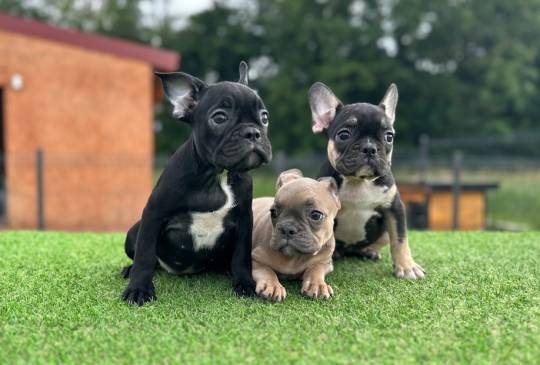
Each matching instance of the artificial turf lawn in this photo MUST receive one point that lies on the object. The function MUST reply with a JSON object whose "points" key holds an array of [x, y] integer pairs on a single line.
{"points": [[480, 303]]}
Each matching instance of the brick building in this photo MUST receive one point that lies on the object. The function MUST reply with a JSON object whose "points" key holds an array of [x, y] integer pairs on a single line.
{"points": [[87, 102]]}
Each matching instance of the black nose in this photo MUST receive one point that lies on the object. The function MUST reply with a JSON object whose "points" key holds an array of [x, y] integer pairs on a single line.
{"points": [[252, 133], [369, 150], [288, 231]]}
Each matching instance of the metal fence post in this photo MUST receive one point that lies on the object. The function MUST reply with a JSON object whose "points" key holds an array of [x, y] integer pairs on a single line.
{"points": [[279, 162], [424, 157], [456, 188], [40, 190]]}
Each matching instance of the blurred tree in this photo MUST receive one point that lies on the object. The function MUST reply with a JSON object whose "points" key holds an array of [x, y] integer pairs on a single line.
{"points": [[462, 66], [212, 45], [20, 8], [477, 62], [317, 41], [118, 18], [121, 18]]}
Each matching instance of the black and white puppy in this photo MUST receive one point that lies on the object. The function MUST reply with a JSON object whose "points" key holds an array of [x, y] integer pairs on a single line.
{"points": [[198, 216], [359, 155]]}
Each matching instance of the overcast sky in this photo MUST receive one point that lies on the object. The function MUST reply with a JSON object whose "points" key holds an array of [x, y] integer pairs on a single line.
{"points": [[189, 7], [179, 9]]}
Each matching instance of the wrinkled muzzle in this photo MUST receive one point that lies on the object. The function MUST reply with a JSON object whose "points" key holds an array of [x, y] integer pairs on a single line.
{"points": [[245, 148], [362, 161], [292, 241]]}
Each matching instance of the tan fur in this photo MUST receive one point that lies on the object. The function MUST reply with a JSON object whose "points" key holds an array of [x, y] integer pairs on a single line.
{"points": [[332, 153], [269, 263], [404, 265]]}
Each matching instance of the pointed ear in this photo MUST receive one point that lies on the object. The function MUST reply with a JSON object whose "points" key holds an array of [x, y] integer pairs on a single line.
{"points": [[331, 185], [243, 69], [389, 102], [323, 104], [288, 176], [182, 90]]}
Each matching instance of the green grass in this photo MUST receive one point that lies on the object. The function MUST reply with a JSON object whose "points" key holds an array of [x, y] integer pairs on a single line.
{"points": [[517, 200], [59, 303]]}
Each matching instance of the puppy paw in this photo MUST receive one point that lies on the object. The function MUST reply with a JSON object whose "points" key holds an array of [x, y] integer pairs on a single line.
{"points": [[367, 254], [125, 271], [139, 294], [363, 253], [244, 286], [409, 270], [271, 290], [317, 290]]}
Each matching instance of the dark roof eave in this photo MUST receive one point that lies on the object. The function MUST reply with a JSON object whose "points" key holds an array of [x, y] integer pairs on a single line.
{"points": [[161, 59]]}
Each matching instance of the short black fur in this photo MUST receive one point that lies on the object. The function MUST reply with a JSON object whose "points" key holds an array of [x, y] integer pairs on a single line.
{"points": [[229, 137]]}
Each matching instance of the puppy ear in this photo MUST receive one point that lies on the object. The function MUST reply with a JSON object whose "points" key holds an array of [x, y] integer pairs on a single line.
{"points": [[182, 90], [323, 104], [243, 69], [288, 176], [389, 102], [331, 184]]}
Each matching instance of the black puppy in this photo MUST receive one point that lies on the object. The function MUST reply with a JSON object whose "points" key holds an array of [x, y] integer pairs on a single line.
{"points": [[198, 216], [360, 139]]}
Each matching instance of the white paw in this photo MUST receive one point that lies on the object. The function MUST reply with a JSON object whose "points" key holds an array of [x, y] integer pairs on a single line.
{"points": [[271, 290], [409, 271]]}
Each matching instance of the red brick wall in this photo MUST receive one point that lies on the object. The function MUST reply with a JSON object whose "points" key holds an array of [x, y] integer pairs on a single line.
{"points": [[92, 115]]}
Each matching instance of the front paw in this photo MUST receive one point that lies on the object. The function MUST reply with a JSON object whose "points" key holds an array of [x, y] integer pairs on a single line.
{"points": [[363, 253], [409, 270], [244, 286], [271, 290], [139, 294], [369, 254], [317, 289], [125, 271]]}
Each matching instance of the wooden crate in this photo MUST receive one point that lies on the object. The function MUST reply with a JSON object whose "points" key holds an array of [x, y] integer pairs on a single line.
{"points": [[435, 201]]}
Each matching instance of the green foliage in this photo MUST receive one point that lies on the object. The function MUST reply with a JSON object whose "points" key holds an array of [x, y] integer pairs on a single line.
{"points": [[59, 303], [264, 183], [121, 18], [461, 66]]}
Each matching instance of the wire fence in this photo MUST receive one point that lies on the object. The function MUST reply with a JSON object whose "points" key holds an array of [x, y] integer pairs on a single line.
{"points": [[505, 169], [92, 191], [519, 151]]}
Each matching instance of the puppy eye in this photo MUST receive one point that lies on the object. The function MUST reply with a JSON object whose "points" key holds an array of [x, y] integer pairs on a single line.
{"points": [[343, 135], [389, 137], [316, 216], [219, 118], [264, 117], [273, 213]]}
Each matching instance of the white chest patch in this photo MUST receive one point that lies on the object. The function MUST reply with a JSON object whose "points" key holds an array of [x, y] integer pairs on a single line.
{"points": [[359, 199], [207, 227]]}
